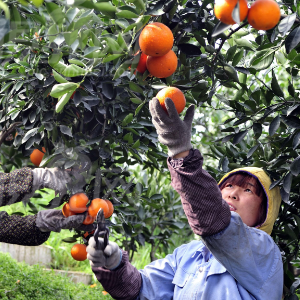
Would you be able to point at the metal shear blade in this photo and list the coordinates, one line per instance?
(101, 229)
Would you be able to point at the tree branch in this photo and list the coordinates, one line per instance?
(6, 132)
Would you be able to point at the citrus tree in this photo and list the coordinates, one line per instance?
(71, 83)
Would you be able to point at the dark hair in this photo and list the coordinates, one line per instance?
(241, 179)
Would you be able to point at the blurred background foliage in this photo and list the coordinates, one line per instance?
(244, 82)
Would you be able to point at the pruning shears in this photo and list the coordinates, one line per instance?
(101, 229)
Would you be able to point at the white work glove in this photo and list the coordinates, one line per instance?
(54, 220)
(109, 258)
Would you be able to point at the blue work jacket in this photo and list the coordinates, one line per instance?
(239, 262)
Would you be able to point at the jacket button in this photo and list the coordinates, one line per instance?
(200, 269)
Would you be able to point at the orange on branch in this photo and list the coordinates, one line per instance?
(142, 67)
(110, 208)
(175, 94)
(156, 39)
(78, 203)
(96, 204)
(162, 66)
(78, 252)
(264, 14)
(88, 220)
(223, 10)
(37, 156)
(67, 211)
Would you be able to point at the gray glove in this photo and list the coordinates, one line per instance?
(52, 178)
(109, 258)
(172, 131)
(54, 220)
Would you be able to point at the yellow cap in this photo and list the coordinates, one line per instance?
(273, 195)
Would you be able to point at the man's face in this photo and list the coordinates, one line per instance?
(243, 201)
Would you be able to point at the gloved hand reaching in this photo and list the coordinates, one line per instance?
(58, 180)
(172, 131)
(54, 220)
(109, 258)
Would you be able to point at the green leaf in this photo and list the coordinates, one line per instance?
(139, 108)
(113, 45)
(127, 119)
(37, 3)
(70, 37)
(126, 14)
(238, 56)
(275, 86)
(52, 32)
(239, 137)
(292, 40)
(287, 182)
(123, 67)
(262, 59)
(73, 71)
(295, 166)
(58, 77)
(136, 100)
(106, 8)
(290, 232)
(55, 12)
(63, 101)
(77, 62)
(252, 150)
(136, 88)
(274, 126)
(59, 90)
(230, 52)
(231, 72)
(112, 57)
(121, 42)
(244, 44)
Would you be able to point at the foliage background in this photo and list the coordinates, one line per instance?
(243, 81)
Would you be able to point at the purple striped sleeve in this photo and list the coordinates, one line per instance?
(201, 198)
(123, 283)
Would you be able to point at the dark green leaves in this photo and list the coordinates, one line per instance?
(295, 166)
(292, 40)
(275, 86)
(239, 137)
(274, 126)
(286, 24)
(262, 59)
(55, 12)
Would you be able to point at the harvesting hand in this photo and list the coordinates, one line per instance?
(54, 220)
(109, 258)
(58, 180)
(172, 131)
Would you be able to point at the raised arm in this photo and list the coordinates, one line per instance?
(201, 198)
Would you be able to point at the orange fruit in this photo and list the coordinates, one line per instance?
(110, 208)
(96, 204)
(162, 66)
(264, 14)
(156, 39)
(88, 220)
(175, 94)
(223, 10)
(67, 211)
(37, 156)
(78, 252)
(78, 203)
(142, 67)
(87, 233)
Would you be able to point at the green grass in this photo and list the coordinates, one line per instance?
(19, 281)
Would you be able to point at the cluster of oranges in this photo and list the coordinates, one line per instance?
(78, 204)
(262, 15)
(156, 41)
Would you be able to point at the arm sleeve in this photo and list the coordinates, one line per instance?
(201, 198)
(21, 230)
(153, 282)
(122, 283)
(250, 256)
(14, 186)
